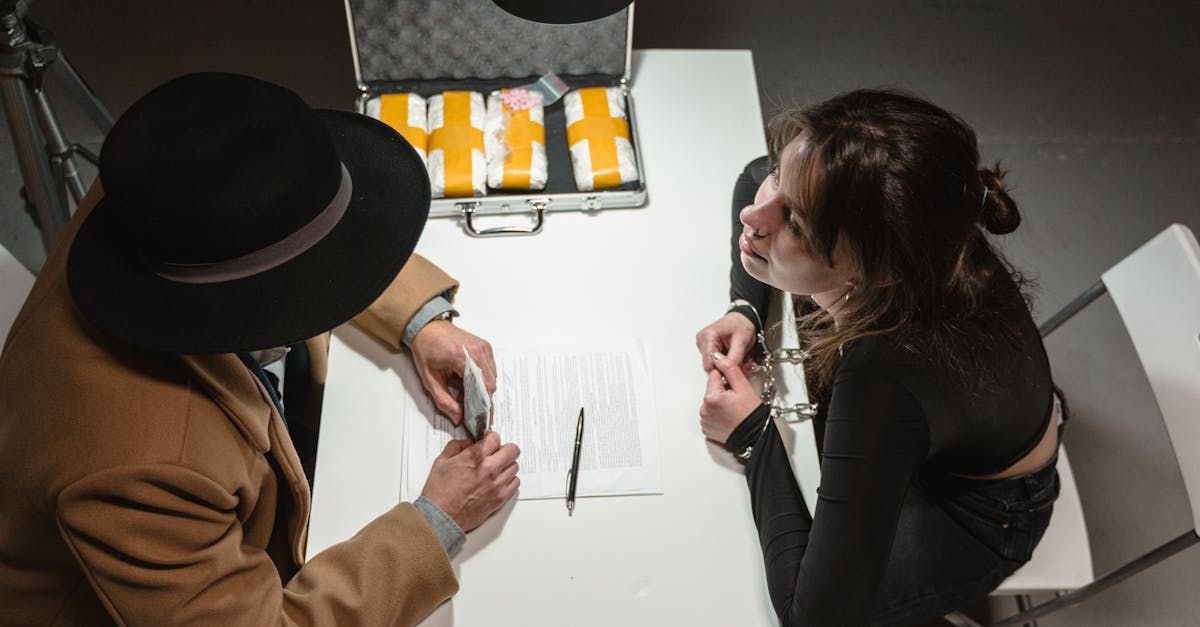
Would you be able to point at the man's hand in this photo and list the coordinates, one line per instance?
(728, 399)
(731, 335)
(470, 481)
(437, 352)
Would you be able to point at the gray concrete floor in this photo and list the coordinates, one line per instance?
(1094, 107)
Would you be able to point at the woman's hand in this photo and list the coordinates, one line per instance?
(728, 399)
(731, 335)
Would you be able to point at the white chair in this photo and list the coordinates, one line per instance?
(1167, 338)
(15, 282)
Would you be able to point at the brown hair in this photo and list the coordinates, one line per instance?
(897, 180)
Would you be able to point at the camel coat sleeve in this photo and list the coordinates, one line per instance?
(418, 283)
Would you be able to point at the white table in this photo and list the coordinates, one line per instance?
(659, 273)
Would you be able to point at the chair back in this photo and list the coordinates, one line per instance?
(1157, 291)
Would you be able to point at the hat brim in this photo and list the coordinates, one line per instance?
(559, 12)
(319, 289)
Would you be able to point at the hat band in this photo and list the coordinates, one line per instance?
(269, 257)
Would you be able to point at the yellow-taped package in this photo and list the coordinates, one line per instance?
(598, 135)
(406, 114)
(515, 138)
(457, 167)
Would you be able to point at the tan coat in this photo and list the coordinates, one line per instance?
(148, 489)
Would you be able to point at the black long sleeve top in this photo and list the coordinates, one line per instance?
(893, 413)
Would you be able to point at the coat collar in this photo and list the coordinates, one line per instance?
(237, 392)
(243, 398)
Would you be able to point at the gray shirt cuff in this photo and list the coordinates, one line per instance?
(436, 306)
(447, 530)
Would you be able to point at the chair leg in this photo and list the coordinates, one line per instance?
(1024, 602)
(1090, 294)
(958, 619)
(1187, 539)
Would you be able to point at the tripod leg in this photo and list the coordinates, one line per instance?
(83, 151)
(81, 93)
(35, 168)
(66, 176)
(61, 161)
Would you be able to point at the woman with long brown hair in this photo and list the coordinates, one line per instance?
(938, 426)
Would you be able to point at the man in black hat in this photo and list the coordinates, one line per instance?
(151, 476)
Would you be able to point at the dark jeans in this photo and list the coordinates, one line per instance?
(958, 539)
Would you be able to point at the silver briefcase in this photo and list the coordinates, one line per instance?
(430, 46)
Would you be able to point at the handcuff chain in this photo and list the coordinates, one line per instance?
(767, 368)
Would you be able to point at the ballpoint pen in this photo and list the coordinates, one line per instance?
(575, 465)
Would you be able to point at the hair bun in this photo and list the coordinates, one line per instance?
(999, 213)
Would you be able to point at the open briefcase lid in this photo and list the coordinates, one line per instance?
(415, 44)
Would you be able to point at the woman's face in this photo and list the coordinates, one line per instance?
(777, 255)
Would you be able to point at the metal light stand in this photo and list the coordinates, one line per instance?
(46, 158)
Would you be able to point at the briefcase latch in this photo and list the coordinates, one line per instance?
(536, 205)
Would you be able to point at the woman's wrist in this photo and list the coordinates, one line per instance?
(743, 307)
(743, 437)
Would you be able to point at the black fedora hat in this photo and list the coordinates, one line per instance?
(237, 218)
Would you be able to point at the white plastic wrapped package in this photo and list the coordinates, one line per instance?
(515, 137)
(598, 135)
(406, 114)
(457, 167)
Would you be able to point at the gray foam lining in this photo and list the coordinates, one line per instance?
(400, 40)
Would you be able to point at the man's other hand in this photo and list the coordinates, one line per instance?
(470, 481)
(437, 352)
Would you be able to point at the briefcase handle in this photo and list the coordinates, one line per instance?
(537, 206)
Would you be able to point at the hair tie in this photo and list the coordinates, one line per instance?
(983, 203)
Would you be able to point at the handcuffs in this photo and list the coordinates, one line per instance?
(766, 370)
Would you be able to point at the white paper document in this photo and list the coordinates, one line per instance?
(538, 395)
